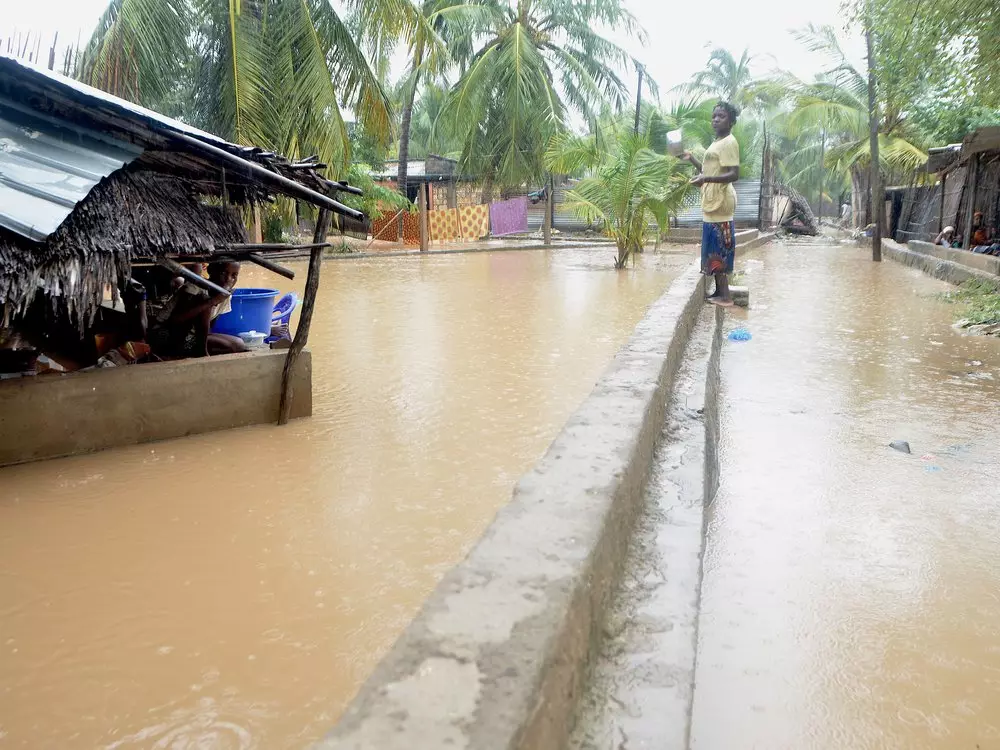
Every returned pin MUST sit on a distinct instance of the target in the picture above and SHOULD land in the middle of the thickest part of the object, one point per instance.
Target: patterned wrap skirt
(718, 247)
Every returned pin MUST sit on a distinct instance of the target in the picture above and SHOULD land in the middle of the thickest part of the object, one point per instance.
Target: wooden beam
(271, 266)
(176, 268)
(944, 185)
(970, 200)
(422, 205)
(305, 317)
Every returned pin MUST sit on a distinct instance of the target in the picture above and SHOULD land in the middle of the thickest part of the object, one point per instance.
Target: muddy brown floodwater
(233, 590)
(851, 598)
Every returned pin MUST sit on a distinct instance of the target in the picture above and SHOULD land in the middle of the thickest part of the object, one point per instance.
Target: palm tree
(273, 73)
(538, 61)
(727, 78)
(627, 182)
(441, 35)
(836, 103)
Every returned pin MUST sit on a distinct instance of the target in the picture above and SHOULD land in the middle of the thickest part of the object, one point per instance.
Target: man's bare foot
(721, 302)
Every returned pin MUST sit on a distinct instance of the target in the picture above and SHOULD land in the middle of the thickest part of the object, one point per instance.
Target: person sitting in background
(945, 238)
(180, 325)
(980, 235)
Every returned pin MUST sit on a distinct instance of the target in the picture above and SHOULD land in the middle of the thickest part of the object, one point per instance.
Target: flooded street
(233, 590)
(851, 596)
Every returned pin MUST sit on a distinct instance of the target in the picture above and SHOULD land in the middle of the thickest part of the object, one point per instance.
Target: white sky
(680, 34)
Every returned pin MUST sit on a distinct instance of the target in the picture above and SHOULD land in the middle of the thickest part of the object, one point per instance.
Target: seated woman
(180, 324)
(945, 238)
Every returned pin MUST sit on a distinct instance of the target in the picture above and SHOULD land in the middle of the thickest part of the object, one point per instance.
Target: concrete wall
(986, 263)
(50, 416)
(946, 270)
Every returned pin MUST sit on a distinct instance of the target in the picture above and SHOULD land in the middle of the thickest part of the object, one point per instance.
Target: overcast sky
(680, 33)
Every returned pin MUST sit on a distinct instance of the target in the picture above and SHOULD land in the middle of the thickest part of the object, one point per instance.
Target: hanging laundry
(509, 217)
(475, 221)
(442, 225)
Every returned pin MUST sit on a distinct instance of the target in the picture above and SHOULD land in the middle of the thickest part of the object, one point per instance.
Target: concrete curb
(945, 270)
(498, 655)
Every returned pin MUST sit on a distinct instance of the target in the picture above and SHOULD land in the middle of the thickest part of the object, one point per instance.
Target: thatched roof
(130, 215)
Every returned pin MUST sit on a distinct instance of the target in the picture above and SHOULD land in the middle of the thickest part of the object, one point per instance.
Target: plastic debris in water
(740, 334)
(900, 445)
(932, 468)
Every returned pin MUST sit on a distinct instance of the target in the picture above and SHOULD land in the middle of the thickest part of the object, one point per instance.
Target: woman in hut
(719, 170)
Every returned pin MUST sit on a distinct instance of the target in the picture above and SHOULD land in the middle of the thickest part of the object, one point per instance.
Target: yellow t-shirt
(718, 202)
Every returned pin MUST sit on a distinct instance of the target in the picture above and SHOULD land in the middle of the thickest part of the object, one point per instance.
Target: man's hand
(699, 180)
(687, 156)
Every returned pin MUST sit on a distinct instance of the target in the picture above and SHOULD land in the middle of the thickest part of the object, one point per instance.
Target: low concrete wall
(50, 416)
(986, 263)
(498, 655)
(946, 270)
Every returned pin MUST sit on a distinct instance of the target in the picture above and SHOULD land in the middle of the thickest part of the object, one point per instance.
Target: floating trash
(900, 445)
(932, 468)
(740, 334)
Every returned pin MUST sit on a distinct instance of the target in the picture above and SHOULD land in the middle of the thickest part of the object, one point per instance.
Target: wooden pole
(186, 273)
(970, 200)
(944, 185)
(422, 206)
(547, 220)
(305, 318)
(877, 193)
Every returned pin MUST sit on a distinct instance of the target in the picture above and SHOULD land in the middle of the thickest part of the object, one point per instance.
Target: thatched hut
(91, 185)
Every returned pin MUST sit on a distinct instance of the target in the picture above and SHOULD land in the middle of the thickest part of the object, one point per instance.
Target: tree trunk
(409, 96)
(859, 198)
(877, 193)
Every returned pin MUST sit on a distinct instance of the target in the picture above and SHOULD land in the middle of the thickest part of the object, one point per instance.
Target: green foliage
(950, 120)
(951, 46)
(538, 61)
(628, 184)
(980, 302)
(272, 73)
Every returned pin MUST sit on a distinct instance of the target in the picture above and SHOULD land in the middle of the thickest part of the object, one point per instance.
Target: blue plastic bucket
(251, 311)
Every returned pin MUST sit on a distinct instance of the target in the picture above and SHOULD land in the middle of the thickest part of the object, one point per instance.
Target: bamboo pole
(547, 220)
(305, 319)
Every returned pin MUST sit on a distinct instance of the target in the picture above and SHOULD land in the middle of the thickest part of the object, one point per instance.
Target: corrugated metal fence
(747, 209)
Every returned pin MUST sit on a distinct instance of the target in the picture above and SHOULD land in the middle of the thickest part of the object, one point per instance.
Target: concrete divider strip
(498, 654)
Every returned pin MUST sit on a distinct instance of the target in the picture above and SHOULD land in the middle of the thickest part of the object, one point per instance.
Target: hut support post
(422, 205)
(944, 186)
(970, 200)
(305, 319)
(547, 220)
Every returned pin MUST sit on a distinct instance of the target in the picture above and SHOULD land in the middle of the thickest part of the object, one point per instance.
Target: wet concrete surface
(640, 690)
(851, 597)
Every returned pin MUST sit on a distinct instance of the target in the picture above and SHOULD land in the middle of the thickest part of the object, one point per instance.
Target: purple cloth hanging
(509, 217)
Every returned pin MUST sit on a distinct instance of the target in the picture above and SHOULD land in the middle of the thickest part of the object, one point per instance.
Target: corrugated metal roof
(46, 168)
(747, 205)
(92, 96)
